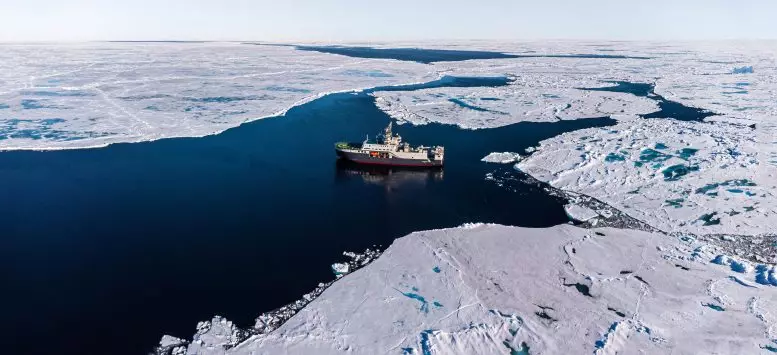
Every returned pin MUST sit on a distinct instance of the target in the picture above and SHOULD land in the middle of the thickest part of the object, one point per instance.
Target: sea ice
(508, 294)
(340, 269)
(502, 158)
(579, 213)
(719, 186)
(56, 96)
(533, 97)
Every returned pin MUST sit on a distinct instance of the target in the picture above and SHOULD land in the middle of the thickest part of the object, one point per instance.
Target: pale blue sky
(347, 20)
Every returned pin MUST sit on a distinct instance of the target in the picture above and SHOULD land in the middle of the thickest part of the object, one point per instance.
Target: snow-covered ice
(497, 289)
(716, 176)
(340, 269)
(502, 158)
(579, 213)
(534, 97)
(55, 96)
(676, 176)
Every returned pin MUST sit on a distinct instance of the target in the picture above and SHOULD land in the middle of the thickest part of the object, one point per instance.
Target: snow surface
(667, 173)
(698, 74)
(493, 289)
(55, 96)
(533, 97)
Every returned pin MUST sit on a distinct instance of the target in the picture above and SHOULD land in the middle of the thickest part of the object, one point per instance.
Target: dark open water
(104, 250)
(425, 55)
(666, 108)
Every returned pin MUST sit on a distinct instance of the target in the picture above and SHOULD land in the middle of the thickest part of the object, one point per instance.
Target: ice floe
(519, 290)
(502, 158)
(340, 269)
(56, 96)
(676, 176)
(532, 97)
(579, 213)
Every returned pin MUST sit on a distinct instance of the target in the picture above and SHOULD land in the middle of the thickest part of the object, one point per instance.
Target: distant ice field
(87, 95)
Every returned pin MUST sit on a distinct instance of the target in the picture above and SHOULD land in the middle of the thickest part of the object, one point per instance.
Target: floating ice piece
(171, 345)
(579, 213)
(502, 158)
(170, 341)
(340, 269)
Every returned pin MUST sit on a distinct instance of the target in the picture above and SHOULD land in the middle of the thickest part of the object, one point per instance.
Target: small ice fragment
(579, 213)
(502, 158)
(340, 269)
(170, 341)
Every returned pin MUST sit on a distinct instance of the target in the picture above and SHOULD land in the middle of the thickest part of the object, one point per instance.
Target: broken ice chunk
(502, 158)
(340, 269)
(579, 213)
(170, 341)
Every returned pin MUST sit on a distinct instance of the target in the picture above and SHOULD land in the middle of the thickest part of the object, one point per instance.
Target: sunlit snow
(86, 95)
(490, 289)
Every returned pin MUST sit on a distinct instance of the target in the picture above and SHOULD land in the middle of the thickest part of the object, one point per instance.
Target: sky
(347, 20)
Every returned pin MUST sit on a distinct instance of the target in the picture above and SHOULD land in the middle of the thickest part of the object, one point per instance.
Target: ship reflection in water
(389, 176)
